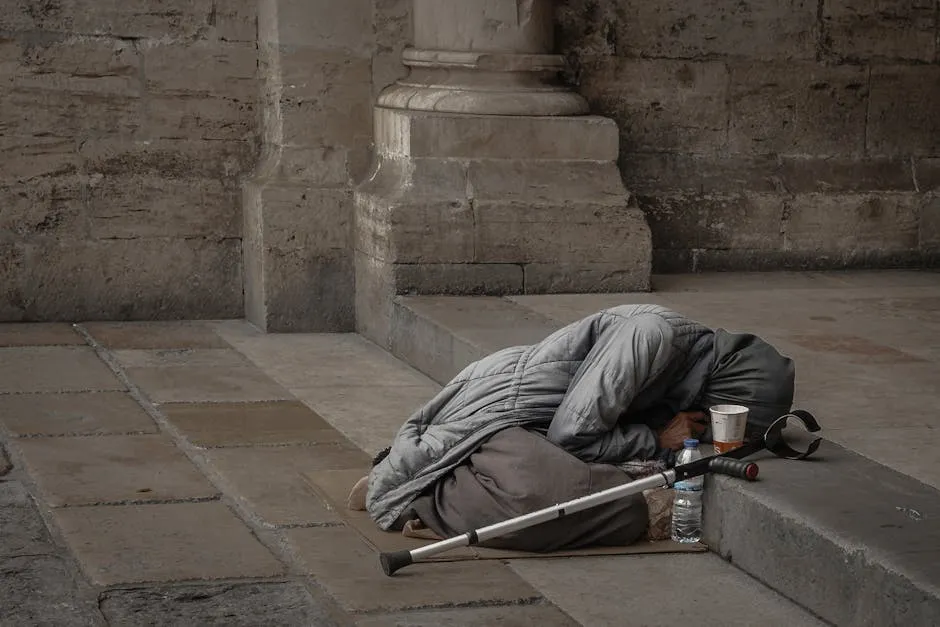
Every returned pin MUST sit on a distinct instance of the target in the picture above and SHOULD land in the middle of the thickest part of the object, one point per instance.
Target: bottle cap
(691, 443)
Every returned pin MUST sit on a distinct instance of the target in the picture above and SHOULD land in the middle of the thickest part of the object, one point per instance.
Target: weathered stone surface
(626, 275)
(458, 278)
(53, 369)
(766, 29)
(168, 158)
(930, 223)
(121, 279)
(112, 469)
(496, 137)
(315, 166)
(903, 118)
(229, 424)
(517, 231)
(233, 20)
(323, 302)
(24, 532)
(531, 614)
(77, 65)
(5, 464)
(716, 221)
(545, 181)
(650, 174)
(176, 357)
(349, 571)
(155, 335)
(52, 207)
(189, 384)
(238, 605)
(662, 105)
(169, 542)
(298, 217)
(39, 334)
(349, 29)
(434, 231)
(882, 30)
(84, 413)
(126, 207)
(31, 158)
(39, 590)
(798, 108)
(927, 174)
(876, 222)
(201, 118)
(56, 113)
(202, 68)
(269, 480)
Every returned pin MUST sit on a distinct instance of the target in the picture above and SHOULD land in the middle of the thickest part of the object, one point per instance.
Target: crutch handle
(733, 468)
(394, 561)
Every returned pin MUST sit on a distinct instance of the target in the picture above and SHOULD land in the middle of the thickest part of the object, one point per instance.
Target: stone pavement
(156, 471)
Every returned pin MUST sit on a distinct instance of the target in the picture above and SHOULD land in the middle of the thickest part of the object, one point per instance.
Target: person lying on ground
(626, 384)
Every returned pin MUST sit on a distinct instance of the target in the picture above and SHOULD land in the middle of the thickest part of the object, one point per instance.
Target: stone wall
(770, 134)
(125, 129)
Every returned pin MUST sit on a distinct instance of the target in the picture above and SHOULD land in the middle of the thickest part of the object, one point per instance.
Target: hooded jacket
(598, 388)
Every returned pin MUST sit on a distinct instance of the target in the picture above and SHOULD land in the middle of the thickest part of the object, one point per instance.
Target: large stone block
(57, 113)
(166, 158)
(662, 105)
(121, 279)
(689, 220)
(325, 97)
(903, 116)
(848, 222)
(83, 65)
(798, 109)
(174, 19)
(51, 207)
(764, 29)
(121, 207)
(201, 68)
(418, 232)
(447, 136)
(650, 174)
(199, 118)
(628, 275)
(458, 278)
(29, 157)
(327, 24)
(545, 181)
(930, 223)
(303, 219)
(881, 29)
(523, 232)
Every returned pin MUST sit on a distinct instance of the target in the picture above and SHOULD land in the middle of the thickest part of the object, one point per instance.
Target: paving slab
(119, 544)
(39, 334)
(369, 416)
(269, 479)
(39, 590)
(301, 360)
(193, 384)
(699, 589)
(170, 357)
(155, 335)
(74, 413)
(533, 614)
(54, 369)
(112, 469)
(23, 530)
(232, 605)
(349, 571)
(240, 424)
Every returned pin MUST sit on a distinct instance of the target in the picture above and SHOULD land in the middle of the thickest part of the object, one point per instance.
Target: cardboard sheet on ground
(333, 487)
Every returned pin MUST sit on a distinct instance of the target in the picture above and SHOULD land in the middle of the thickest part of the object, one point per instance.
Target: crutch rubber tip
(392, 562)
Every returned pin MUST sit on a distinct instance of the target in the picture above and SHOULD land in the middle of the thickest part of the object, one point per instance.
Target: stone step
(851, 540)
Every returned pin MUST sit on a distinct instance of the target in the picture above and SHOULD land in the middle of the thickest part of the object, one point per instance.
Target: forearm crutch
(727, 464)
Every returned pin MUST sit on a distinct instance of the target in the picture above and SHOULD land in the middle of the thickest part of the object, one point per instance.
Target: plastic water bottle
(687, 508)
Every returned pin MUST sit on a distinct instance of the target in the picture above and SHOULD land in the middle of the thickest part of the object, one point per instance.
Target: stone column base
(482, 204)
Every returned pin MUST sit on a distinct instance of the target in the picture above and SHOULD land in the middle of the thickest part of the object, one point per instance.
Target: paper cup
(728, 426)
